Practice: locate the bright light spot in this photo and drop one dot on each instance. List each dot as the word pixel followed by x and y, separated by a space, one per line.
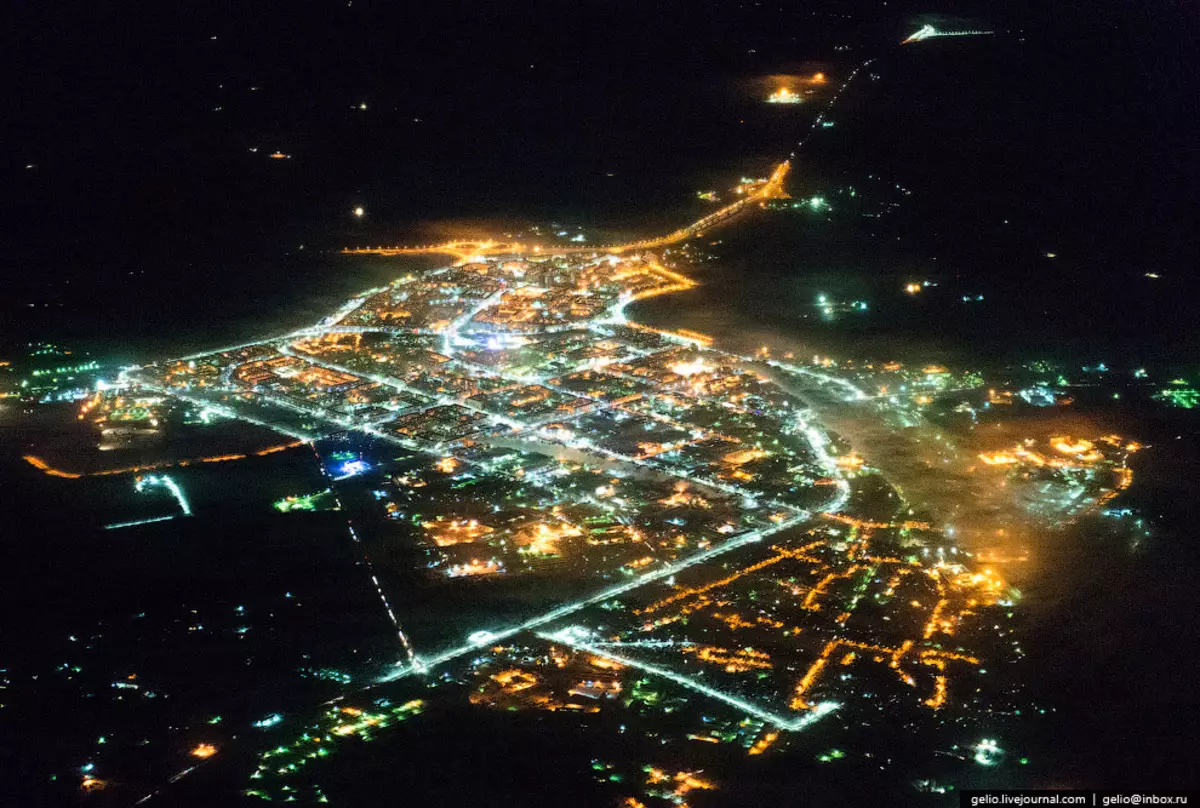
pixel 690 368
pixel 784 96
pixel 204 750
pixel 353 467
pixel 360 211
pixel 988 752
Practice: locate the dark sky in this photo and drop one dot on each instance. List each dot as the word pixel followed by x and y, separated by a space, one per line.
pixel 138 121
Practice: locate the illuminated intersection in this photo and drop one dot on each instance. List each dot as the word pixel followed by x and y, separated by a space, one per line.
pixel 637 517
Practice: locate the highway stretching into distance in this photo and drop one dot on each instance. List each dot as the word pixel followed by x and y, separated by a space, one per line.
pixel 771 188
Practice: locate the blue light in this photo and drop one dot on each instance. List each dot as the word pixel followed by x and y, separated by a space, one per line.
pixel 352 468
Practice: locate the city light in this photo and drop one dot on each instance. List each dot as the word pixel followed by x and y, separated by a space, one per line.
pixel 988 752
pixel 929 32
pixel 741 544
pixel 573 637
pixel 270 721
pixel 352 468
pixel 784 96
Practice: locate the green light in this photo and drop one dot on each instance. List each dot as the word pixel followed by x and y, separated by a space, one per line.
pixel 1186 398
pixel 306 502
pixel 988 752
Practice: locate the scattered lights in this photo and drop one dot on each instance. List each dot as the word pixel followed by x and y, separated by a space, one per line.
pixel 270 721
pixel 782 517
pixel 988 752
pixel 574 637
pixel 475 567
pixel 1187 398
pixel 307 502
pixel 784 96
pixel 277 765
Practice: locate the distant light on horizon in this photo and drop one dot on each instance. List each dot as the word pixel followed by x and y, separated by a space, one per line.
pixel 360 211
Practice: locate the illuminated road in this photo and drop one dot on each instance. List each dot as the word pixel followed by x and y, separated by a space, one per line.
pixel 929 32
pixel 482 639
pixel 405 644
pixel 574 638
pixel 847 400
pixel 465 249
